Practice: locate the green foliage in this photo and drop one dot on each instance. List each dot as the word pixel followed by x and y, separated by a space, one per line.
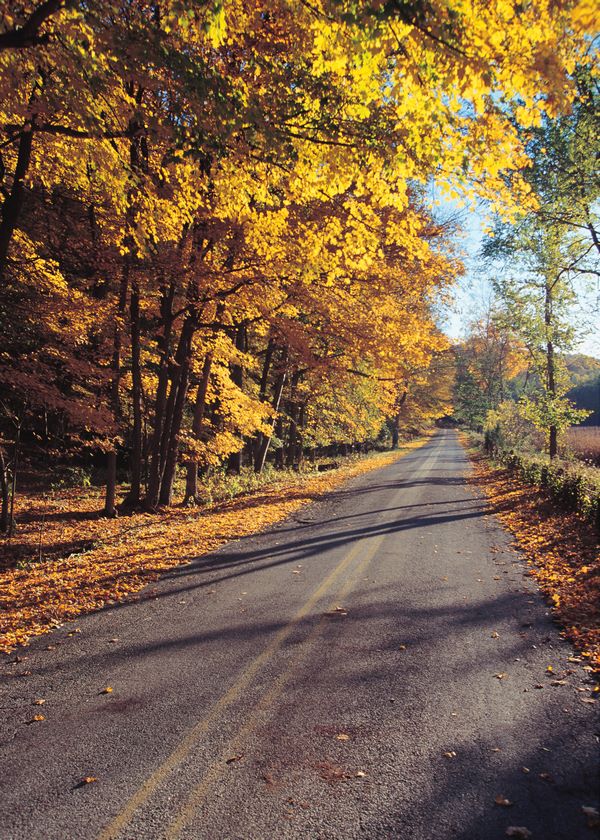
pixel 548 410
pixel 572 486
pixel 507 427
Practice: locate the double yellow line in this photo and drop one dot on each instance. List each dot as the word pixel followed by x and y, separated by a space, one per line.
pixel 368 548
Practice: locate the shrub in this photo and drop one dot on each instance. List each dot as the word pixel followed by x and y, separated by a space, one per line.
pixel 572 486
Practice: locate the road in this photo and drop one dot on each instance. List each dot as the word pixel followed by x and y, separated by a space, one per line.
pixel 366 669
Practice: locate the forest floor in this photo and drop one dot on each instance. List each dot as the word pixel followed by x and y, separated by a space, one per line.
pixel 561 549
pixel 66 559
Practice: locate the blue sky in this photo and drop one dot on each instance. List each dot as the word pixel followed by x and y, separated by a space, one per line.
pixel 473 289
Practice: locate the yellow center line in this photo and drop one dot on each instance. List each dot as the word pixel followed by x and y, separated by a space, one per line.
pixel 185 747
pixel 232 694
pixel 199 793
pixel 197 796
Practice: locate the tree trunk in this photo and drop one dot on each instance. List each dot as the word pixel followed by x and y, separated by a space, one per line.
pixel 265 442
pixel 175 407
pixel 111 461
pixel 133 498
pixel 191 482
pixel 293 415
pixel 5 491
pixel 550 366
pixel 160 404
pixel 11 207
pixel 262 394
pixel 396 421
pixel 237 376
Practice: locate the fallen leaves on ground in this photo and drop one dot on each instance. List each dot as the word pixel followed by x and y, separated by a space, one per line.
pixel 87 780
pixel 333 773
pixel 518 831
pixel 90 561
pixel 592 816
pixel 503 801
pixel 561 549
pixel 234 758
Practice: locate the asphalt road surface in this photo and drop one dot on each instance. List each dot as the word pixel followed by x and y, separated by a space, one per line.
pixel 374 667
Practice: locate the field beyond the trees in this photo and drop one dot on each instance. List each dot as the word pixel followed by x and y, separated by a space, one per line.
pixel 584 443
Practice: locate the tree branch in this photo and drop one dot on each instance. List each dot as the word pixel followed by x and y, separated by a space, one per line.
pixel 28 35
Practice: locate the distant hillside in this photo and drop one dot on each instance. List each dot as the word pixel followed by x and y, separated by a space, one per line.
pixel 585 393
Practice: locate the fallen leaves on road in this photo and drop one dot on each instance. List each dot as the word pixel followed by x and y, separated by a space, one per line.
pixel 501 676
pixel 36 718
pixel 561 549
pixel 342 737
pixel 90 561
pixel 592 816
pixel 518 831
pixel 503 801
pixel 87 780
pixel 234 758
pixel 449 754
pixel 39 702
pixel 107 690
pixel 333 773
pixel 337 611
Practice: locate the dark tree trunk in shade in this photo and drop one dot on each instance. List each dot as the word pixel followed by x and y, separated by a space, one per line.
pixel 191 483
pixel 154 475
pixel 133 498
pixel 111 461
pixel 175 407
pixel 13 202
pixel 264 384
pixel 265 440
pixel 293 412
pixel 5 493
pixel 235 460
pixel 396 421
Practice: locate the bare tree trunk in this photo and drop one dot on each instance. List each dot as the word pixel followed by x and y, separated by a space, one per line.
pixel 13 483
pixel 263 448
pixel 191 483
pixel 293 415
pixel 175 407
pixel 396 421
pixel 11 207
pixel 133 498
pixel 5 490
pixel 550 366
pixel 237 376
pixel 264 382
pixel 166 308
pixel 111 461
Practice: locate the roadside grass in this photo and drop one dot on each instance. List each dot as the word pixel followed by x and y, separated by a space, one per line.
pixel 560 547
pixel 66 560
